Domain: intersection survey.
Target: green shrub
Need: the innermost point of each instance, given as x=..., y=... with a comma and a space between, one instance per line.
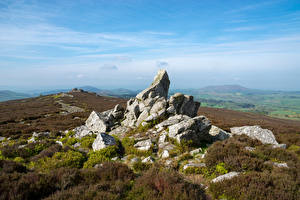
x=220, y=169
x=71, y=141
x=139, y=166
x=101, y=156
x=128, y=146
x=87, y=142
x=71, y=159
x=19, y=159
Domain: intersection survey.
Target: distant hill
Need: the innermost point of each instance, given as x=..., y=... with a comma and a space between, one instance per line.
x=6, y=95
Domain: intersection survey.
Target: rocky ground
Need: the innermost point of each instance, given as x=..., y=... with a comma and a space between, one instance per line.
x=167, y=151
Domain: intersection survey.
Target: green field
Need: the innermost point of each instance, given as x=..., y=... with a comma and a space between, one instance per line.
x=272, y=103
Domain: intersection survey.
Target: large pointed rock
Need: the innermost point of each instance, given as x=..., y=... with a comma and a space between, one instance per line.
x=159, y=87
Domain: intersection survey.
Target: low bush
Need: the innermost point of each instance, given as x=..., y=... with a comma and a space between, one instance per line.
x=8, y=166
x=258, y=185
x=101, y=156
x=87, y=142
x=71, y=159
x=158, y=183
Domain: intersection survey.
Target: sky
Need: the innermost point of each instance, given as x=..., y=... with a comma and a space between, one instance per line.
x=122, y=43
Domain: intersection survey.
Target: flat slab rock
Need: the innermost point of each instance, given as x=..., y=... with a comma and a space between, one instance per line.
x=227, y=176
x=256, y=132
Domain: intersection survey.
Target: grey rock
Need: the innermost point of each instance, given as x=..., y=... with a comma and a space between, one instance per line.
x=114, y=158
x=282, y=146
x=227, y=176
x=250, y=148
x=256, y=132
x=2, y=139
x=97, y=122
x=82, y=131
x=31, y=140
x=183, y=104
x=59, y=142
x=119, y=131
x=160, y=105
x=280, y=165
x=135, y=160
x=102, y=141
x=76, y=145
x=195, y=151
x=159, y=87
x=165, y=154
x=193, y=165
x=142, y=117
x=172, y=120
x=193, y=129
x=149, y=159
x=218, y=134
x=144, y=145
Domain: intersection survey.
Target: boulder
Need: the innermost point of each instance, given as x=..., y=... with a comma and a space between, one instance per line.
x=144, y=145
x=218, y=134
x=104, y=121
x=159, y=87
x=255, y=132
x=192, y=129
x=98, y=122
x=183, y=104
x=82, y=131
x=172, y=120
x=102, y=141
x=227, y=176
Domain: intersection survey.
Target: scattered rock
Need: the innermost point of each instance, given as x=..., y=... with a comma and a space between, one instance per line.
x=149, y=159
x=280, y=165
x=165, y=154
x=193, y=165
x=196, y=151
x=227, y=176
x=102, y=141
x=250, y=148
x=76, y=145
x=135, y=160
x=59, y=142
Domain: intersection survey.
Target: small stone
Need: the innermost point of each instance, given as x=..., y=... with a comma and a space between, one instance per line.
x=196, y=151
x=194, y=165
x=114, y=158
x=165, y=154
x=250, y=148
x=77, y=145
x=149, y=159
x=59, y=142
x=135, y=160
x=280, y=165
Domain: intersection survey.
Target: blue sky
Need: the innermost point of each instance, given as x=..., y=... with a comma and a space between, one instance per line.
x=122, y=43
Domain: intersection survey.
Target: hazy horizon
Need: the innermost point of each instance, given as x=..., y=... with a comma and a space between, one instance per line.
x=122, y=44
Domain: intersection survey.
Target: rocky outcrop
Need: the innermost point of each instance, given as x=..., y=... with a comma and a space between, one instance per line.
x=102, y=141
x=183, y=104
x=265, y=136
x=150, y=104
